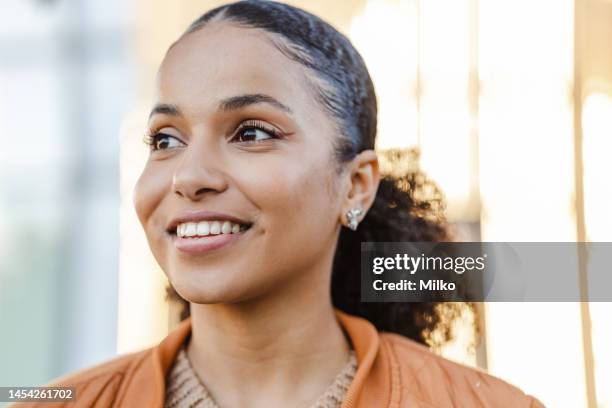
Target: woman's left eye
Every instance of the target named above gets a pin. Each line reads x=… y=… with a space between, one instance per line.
x=255 y=132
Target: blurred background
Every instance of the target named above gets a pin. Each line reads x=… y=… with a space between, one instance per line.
x=507 y=103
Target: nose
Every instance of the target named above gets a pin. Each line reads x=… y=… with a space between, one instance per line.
x=197 y=175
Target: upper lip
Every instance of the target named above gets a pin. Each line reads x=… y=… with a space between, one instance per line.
x=196 y=216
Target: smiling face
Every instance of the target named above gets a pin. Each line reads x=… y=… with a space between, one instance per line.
x=236 y=131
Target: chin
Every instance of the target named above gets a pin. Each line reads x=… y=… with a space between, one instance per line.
x=209 y=287
x=195 y=293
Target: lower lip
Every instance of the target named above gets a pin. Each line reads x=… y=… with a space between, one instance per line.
x=197 y=246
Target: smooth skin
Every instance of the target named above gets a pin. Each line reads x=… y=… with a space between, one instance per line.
x=263 y=329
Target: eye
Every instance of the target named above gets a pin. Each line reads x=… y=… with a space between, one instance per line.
x=162 y=141
x=254 y=131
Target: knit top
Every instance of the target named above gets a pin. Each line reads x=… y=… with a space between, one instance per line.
x=185 y=389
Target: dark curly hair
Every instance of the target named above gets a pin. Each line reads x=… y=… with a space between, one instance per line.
x=407 y=206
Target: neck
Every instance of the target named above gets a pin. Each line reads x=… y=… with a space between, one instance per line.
x=282 y=349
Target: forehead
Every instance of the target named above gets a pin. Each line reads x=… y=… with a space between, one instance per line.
x=223 y=60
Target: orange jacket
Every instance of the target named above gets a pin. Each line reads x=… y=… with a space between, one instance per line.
x=393 y=372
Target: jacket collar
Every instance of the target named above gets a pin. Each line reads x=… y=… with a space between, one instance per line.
x=370 y=387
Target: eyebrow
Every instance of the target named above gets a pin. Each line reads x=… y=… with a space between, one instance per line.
x=237 y=102
x=165 y=109
x=228 y=104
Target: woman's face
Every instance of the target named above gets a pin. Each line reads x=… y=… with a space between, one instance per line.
x=237 y=133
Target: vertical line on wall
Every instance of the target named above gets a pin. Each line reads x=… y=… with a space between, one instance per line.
x=587 y=341
x=474 y=107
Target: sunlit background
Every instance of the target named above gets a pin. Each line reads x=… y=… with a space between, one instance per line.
x=509 y=104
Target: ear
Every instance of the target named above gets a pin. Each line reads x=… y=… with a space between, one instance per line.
x=364 y=179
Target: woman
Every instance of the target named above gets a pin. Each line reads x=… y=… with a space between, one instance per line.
x=261 y=183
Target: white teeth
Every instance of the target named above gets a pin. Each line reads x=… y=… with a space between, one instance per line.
x=190 y=229
x=205 y=228
x=215 y=228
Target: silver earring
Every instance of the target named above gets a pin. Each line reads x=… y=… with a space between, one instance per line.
x=352 y=216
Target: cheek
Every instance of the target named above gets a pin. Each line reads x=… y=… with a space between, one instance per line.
x=295 y=203
x=148 y=193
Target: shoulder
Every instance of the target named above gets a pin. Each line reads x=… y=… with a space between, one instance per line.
x=113 y=368
x=99 y=384
x=441 y=382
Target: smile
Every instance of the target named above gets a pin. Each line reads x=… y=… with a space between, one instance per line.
x=197 y=238
x=207 y=228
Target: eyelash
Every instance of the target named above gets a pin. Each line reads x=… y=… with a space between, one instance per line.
x=254 y=124
x=151 y=138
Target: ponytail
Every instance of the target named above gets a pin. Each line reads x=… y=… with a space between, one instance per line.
x=408 y=208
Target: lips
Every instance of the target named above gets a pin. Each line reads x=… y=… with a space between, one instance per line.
x=199 y=232
x=203 y=245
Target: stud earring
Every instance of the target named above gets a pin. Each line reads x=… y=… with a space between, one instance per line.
x=352 y=216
